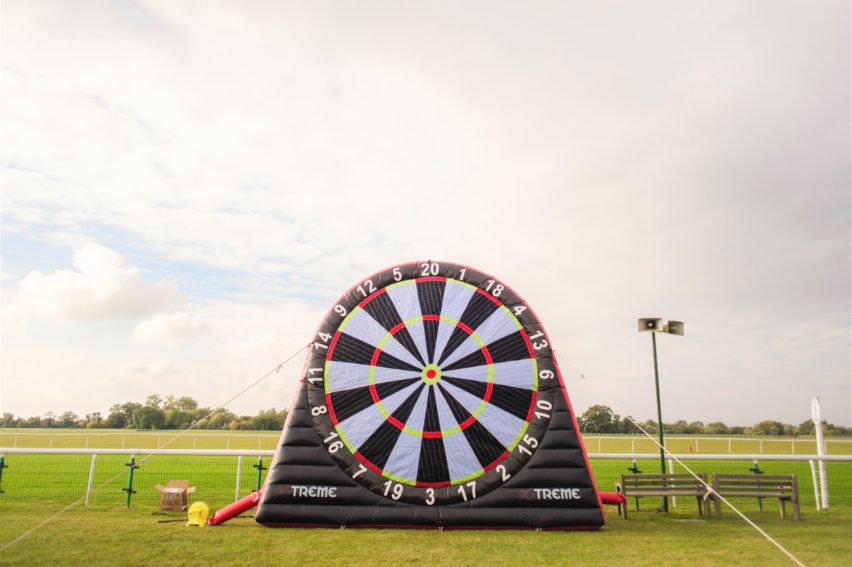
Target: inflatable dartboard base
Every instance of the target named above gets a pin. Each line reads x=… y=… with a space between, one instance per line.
x=431 y=399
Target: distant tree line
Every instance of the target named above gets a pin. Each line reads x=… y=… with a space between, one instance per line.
x=155 y=413
x=601 y=419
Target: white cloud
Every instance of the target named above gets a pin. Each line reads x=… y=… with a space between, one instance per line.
x=156 y=368
x=169 y=329
x=103 y=287
x=282 y=151
x=250 y=345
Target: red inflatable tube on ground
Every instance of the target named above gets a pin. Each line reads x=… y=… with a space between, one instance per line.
x=235 y=509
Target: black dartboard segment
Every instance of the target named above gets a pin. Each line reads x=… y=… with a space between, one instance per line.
x=431 y=384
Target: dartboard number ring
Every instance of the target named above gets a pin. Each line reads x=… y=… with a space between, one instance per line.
x=431 y=383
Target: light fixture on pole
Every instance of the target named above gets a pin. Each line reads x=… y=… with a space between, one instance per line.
x=655 y=325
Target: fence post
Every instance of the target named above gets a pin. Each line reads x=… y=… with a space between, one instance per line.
x=260 y=468
x=91 y=479
x=756 y=470
x=129 y=490
x=239 y=474
x=635 y=470
x=816 y=486
x=3 y=465
x=674 y=498
x=730 y=440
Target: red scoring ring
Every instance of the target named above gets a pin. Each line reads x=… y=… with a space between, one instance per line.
x=430 y=434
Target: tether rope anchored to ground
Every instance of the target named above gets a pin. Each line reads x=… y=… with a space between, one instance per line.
x=153 y=453
x=709 y=488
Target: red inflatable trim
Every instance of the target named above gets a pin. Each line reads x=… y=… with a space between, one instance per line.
x=235 y=509
x=616 y=498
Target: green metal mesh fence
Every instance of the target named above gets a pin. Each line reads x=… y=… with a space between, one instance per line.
x=65 y=477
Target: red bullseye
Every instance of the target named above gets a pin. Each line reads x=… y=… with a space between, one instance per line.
x=431 y=374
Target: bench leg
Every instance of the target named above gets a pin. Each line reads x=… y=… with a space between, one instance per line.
x=796 y=513
x=783 y=508
x=717 y=502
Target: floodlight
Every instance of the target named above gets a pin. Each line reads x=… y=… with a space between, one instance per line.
x=675 y=328
x=653 y=324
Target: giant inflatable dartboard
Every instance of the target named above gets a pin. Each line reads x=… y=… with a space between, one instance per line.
x=431 y=397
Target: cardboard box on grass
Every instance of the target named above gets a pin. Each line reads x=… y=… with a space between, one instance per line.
x=173 y=495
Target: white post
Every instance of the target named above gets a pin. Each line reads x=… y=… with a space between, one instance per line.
x=816 y=486
x=633 y=445
x=87 y=441
x=239 y=472
x=674 y=498
x=258 y=442
x=817 y=417
x=194 y=440
x=91 y=479
x=228 y=444
x=122 y=441
x=696 y=445
x=730 y=440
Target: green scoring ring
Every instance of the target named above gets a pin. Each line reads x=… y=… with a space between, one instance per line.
x=435 y=378
x=447 y=432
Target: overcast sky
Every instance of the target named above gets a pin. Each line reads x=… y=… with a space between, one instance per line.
x=188 y=186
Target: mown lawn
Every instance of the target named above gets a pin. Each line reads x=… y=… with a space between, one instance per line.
x=110 y=535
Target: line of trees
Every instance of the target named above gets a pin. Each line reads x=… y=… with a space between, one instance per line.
x=155 y=413
x=601 y=419
x=179 y=413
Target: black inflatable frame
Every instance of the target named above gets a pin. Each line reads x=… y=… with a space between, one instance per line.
x=543 y=481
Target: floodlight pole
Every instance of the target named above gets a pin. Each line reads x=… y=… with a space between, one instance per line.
x=656 y=325
x=659 y=416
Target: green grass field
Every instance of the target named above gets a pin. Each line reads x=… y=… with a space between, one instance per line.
x=37 y=486
x=109 y=535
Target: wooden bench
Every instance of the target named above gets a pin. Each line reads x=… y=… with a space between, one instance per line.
x=670 y=485
x=784 y=487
